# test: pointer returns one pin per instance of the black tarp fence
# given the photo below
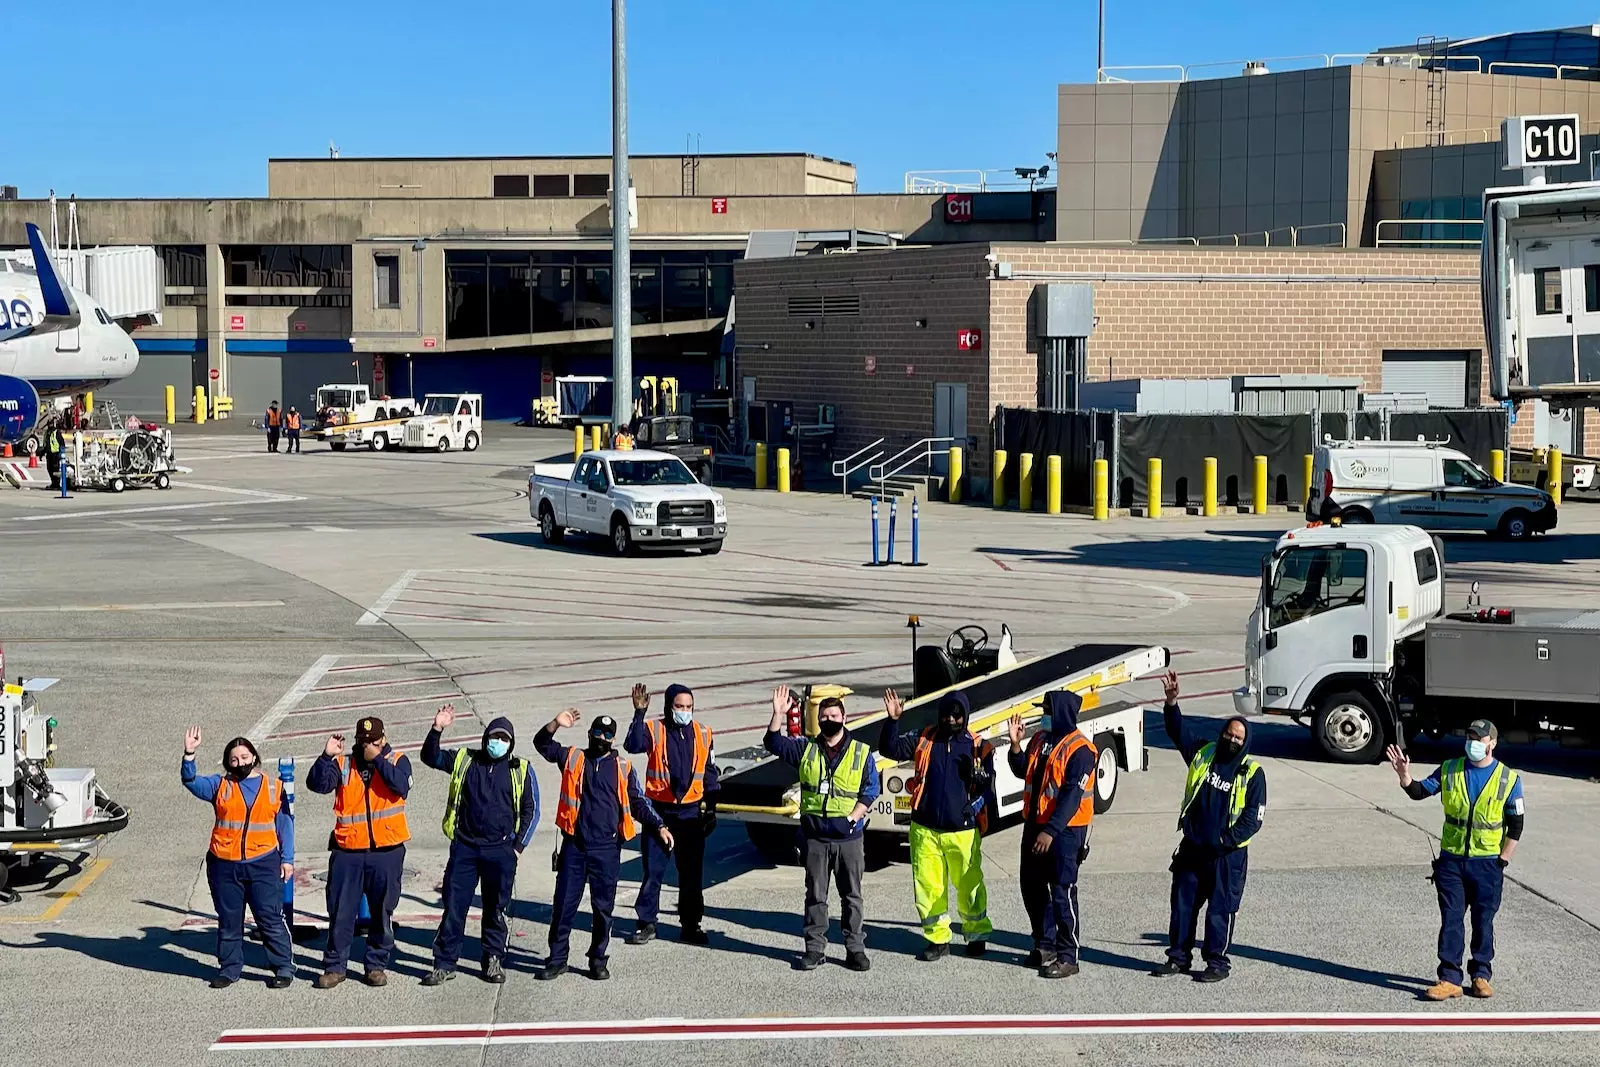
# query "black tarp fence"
(1182, 443)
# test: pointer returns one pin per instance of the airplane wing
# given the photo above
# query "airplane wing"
(60, 310)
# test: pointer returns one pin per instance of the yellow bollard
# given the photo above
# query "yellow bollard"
(761, 464)
(1102, 489)
(577, 443)
(594, 438)
(998, 477)
(955, 474)
(1025, 483)
(199, 405)
(783, 470)
(172, 404)
(88, 403)
(1209, 501)
(1554, 484)
(1260, 502)
(1305, 497)
(1052, 485)
(1152, 509)
(1497, 464)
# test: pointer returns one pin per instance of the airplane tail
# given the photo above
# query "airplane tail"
(60, 309)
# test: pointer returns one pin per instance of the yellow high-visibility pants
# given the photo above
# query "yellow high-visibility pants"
(940, 858)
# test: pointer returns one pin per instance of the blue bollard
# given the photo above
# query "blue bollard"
(894, 508)
(875, 560)
(62, 473)
(916, 529)
(286, 776)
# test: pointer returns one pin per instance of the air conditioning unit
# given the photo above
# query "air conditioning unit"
(1255, 67)
(9, 192)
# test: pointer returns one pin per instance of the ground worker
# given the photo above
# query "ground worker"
(1057, 769)
(367, 847)
(273, 422)
(681, 782)
(1483, 819)
(952, 793)
(838, 783)
(291, 429)
(55, 446)
(489, 818)
(600, 808)
(251, 856)
(1224, 803)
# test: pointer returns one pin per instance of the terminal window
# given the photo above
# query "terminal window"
(386, 281)
(1547, 291)
(552, 185)
(510, 185)
(591, 184)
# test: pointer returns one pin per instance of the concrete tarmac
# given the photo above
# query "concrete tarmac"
(284, 596)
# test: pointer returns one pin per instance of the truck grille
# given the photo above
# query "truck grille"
(681, 511)
(413, 435)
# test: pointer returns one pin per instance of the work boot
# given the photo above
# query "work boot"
(599, 972)
(552, 970)
(857, 961)
(329, 979)
(643, 934)
(694, 935)
(377, 978)
(1037, 959)
(280, 981)
(977, 948)
(1442, 990)
(1480, 988)
(438, 976)
(1211, 975)
(808, 962)
(493, 971)
(1168, 968)
(1058, 968)
(932, 953)
(220, 982)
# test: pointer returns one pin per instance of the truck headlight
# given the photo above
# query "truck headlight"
(641, 512)
(895, 784)
(720, 510)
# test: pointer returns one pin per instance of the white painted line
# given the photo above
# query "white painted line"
(374, 614)
(258, 494)
(847, 1029)
(99, 512)
(181, 605)
(287, 702)
(329, 529)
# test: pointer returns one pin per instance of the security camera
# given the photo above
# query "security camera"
(990, 257)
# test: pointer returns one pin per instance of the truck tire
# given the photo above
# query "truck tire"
(552, 533)
(470, 442)
(1348, 728)
(705, 474)
(711, 548)
(118, 484)
(163, 480)
(882, 847)
(379, 442)
(31, 445)
(1107, 772)
(622, 538)
(337, 446)
(778, 845)
(1515, 525)
(444, 443)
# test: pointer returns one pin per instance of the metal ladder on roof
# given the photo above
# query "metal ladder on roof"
(1436, 51)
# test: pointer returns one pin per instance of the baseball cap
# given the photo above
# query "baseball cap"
(1483, 730)
(368, 730)
(603, 726)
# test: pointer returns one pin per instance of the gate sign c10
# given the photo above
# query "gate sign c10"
(1541, 141)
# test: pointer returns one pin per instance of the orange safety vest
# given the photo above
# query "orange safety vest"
(241, 834)
(292, 420)
(367, 815)
(273, 415)
(657, 779)
(1055, 776)
(980, 750)
(572, 796)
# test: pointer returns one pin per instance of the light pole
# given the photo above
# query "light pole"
(621, 258)
(1100, 53)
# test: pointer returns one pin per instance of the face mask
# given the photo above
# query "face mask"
(830, 728)
(241, 772)
(1476, 750)
(681, 716)
(600, 743)
(498, 747)
(1228, 748)
(1044, 722)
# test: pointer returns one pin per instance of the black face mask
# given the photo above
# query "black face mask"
(830, 728)
(599, 744)
(241, 772)
(1228, 749)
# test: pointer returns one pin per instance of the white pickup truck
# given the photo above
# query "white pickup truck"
(636, 498)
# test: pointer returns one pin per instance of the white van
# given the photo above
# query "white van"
(1420, 483)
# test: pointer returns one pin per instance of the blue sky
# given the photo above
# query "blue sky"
(190, 98)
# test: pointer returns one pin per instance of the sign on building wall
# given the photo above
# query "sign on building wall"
(910, 370)
(872, 364)
(235, 322)
(719, 205)
(969, 340)
(430, 342)
(958, 207)
(1540, 141)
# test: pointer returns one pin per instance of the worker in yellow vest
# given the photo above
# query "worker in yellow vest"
(1483, 817)
(601, 807)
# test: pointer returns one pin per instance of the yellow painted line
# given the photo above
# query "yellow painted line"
(64, 897)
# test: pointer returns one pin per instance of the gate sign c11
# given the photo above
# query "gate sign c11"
(1541, 141)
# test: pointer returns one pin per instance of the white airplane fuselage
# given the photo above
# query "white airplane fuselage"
(94, 353)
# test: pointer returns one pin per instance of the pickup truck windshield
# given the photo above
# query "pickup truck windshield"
(439, 405)
(650, 472)
(1314, 579)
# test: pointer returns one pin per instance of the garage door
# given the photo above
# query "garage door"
(255, 381)
(1441, 375)
(143, 392)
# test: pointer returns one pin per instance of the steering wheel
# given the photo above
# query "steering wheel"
(969, 646)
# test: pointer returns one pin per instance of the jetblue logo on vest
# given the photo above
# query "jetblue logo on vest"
(17, 314)
(1216, 781)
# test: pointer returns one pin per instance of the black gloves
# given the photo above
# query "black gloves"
(708, 821)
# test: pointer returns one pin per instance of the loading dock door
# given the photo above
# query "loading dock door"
(1442, 375)
(949, 420)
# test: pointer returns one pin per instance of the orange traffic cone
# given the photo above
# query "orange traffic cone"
(33, 460)
(5, 450)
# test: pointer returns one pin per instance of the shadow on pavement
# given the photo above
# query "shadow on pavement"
(156, 949)
(1401, 983)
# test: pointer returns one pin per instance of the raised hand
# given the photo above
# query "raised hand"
(1400, 762)
(445, 717)
(1169, 686)
(335, 746)
(780, 700)
(641, 697)
(569, 718)
(1014, 729)
(191, 740)
(893, 704)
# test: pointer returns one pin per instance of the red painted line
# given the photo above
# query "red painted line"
(556, 666)
(397, 702)
(293, 734)
(557, 586)
(381, 682)
(998, 563)
(684, 670)
(1186, 674)
(446, 618)
(376, 666)
(444, 742)
(1197, 696)
(535, 611)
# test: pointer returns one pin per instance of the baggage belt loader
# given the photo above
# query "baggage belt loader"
(763, 792)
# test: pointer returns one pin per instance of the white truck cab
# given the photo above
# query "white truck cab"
(355, 405)
(1424, 484)
(447, 421)
(635, 498)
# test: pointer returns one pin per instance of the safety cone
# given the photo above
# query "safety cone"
(5, 450)
(33, 460)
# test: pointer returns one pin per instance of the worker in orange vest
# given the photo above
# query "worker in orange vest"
(601, 806)
(291, 428)
(251, 856)
(273, 422)
(367, 846)
(1057, 769)
(680, 781)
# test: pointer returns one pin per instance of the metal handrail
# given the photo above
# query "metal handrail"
(912, 453)
(1557, 67)
(843, 468)
(1378, 240)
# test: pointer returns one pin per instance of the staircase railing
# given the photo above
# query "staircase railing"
(909, 456)
(844, 468)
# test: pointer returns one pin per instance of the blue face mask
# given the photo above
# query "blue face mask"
(1044, 721)
(681, 716)
(498, 747)
(1476, 750)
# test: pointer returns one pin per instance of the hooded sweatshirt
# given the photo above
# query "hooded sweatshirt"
(1205, 824)
(946, 796)
(486, 818)
(680, 757)
(1062, 706)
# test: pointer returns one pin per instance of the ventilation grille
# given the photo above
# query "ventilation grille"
(841, 305)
